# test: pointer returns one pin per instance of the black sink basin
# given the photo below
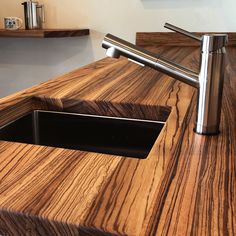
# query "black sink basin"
(110, 135)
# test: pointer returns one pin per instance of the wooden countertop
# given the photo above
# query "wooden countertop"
(186, 186)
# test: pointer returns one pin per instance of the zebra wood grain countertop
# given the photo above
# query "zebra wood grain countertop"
(186, 186)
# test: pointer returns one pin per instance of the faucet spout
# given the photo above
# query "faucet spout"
(209, 80)
(116, 47)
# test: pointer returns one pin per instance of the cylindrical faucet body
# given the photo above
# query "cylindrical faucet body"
(211, 78)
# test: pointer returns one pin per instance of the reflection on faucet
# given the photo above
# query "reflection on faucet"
(209, 80)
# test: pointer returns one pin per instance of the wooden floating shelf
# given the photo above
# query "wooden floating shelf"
(43, 33)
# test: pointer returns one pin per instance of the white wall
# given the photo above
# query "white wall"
(24, 62)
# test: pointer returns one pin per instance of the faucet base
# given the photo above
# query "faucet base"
(209, 130)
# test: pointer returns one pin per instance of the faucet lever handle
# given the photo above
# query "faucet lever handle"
(182, 31)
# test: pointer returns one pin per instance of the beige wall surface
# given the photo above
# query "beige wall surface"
(24, 62)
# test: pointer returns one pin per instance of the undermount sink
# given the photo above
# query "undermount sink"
(109, 135)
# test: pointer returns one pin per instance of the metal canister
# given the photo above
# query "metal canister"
(34, 15)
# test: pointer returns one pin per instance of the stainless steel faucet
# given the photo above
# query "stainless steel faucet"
(209, 80)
